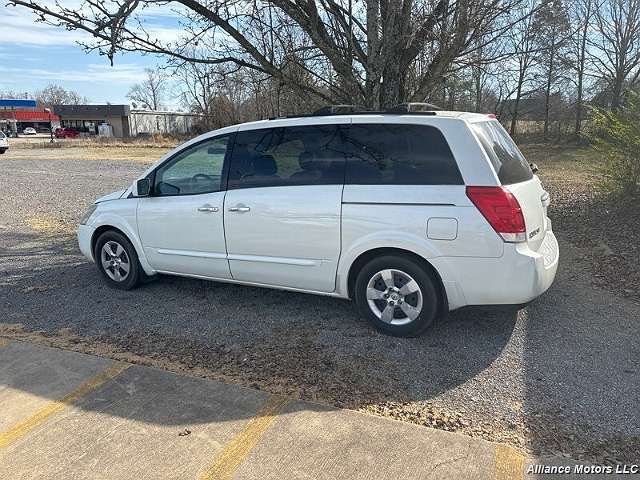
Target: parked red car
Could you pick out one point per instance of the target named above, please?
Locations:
(66, 133)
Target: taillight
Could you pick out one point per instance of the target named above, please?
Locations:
(502, 211)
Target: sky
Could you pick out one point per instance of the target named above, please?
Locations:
(33, 55)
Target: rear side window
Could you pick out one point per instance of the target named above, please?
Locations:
(393, 154)
(271, 157)
(509, 164)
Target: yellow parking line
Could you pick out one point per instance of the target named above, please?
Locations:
(3, 342)
(509, 463)
(25, 426)
(239, 447)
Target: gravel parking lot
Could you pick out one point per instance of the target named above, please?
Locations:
(559, 376)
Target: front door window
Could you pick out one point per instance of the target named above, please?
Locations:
(196, 170)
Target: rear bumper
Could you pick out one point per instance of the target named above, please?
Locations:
(517, 277)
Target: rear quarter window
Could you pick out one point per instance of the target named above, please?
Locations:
(507, 160)
(399, 154)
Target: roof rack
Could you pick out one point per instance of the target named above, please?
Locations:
(414, 107)
(338, 110)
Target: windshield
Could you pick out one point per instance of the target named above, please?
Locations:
(508, 162)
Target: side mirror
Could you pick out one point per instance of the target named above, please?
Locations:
(143, 187)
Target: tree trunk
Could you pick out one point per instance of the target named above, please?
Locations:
(582, 55)
(451, 103)
(478, 85)
(390, 94)
(547, 93)
(578, 127)
(616, 99)
(372, 83)
(516, 103)
(392, 45)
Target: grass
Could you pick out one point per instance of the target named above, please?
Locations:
(156, 141)
(135, 153)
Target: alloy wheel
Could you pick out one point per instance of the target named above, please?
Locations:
(394, 297)
(115, 261)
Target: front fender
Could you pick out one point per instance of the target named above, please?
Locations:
(124, 219)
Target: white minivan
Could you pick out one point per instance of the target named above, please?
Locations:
(411, 213)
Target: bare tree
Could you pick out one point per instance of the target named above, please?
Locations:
(616, 49)
(522, 43)
(582, 17)
(357, 51)
(552, 31)
(211, 92)
(196, 86)
(57, 95)
(13, 94)
(150, 92)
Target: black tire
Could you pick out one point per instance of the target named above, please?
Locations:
(404, 269)
(134, 275)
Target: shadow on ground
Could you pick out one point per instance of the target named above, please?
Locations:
(310, 347)
(581, 370)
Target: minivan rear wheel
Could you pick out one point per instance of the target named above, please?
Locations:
(397, 296)
(117, 260)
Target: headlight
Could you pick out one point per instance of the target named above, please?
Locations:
(88, 213)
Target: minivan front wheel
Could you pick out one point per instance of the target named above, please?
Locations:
(397, 296)
(117, 260)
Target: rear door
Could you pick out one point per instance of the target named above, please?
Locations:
(283, 204)
(515, 175)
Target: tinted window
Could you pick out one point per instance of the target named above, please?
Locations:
(509, 164)
(309, 155)
(399, 155)
(198, 169)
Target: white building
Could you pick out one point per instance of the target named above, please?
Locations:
(159, 122)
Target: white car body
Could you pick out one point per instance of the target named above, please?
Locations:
(4, 143)
(29, 131)
(308, 238)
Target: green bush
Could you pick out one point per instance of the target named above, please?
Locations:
(616, 135)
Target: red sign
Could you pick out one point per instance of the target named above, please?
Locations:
(28, 116)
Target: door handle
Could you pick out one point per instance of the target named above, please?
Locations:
(207, 209)
(239, 208)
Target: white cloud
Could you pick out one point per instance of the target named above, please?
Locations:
(124, 73)
(18, 26)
